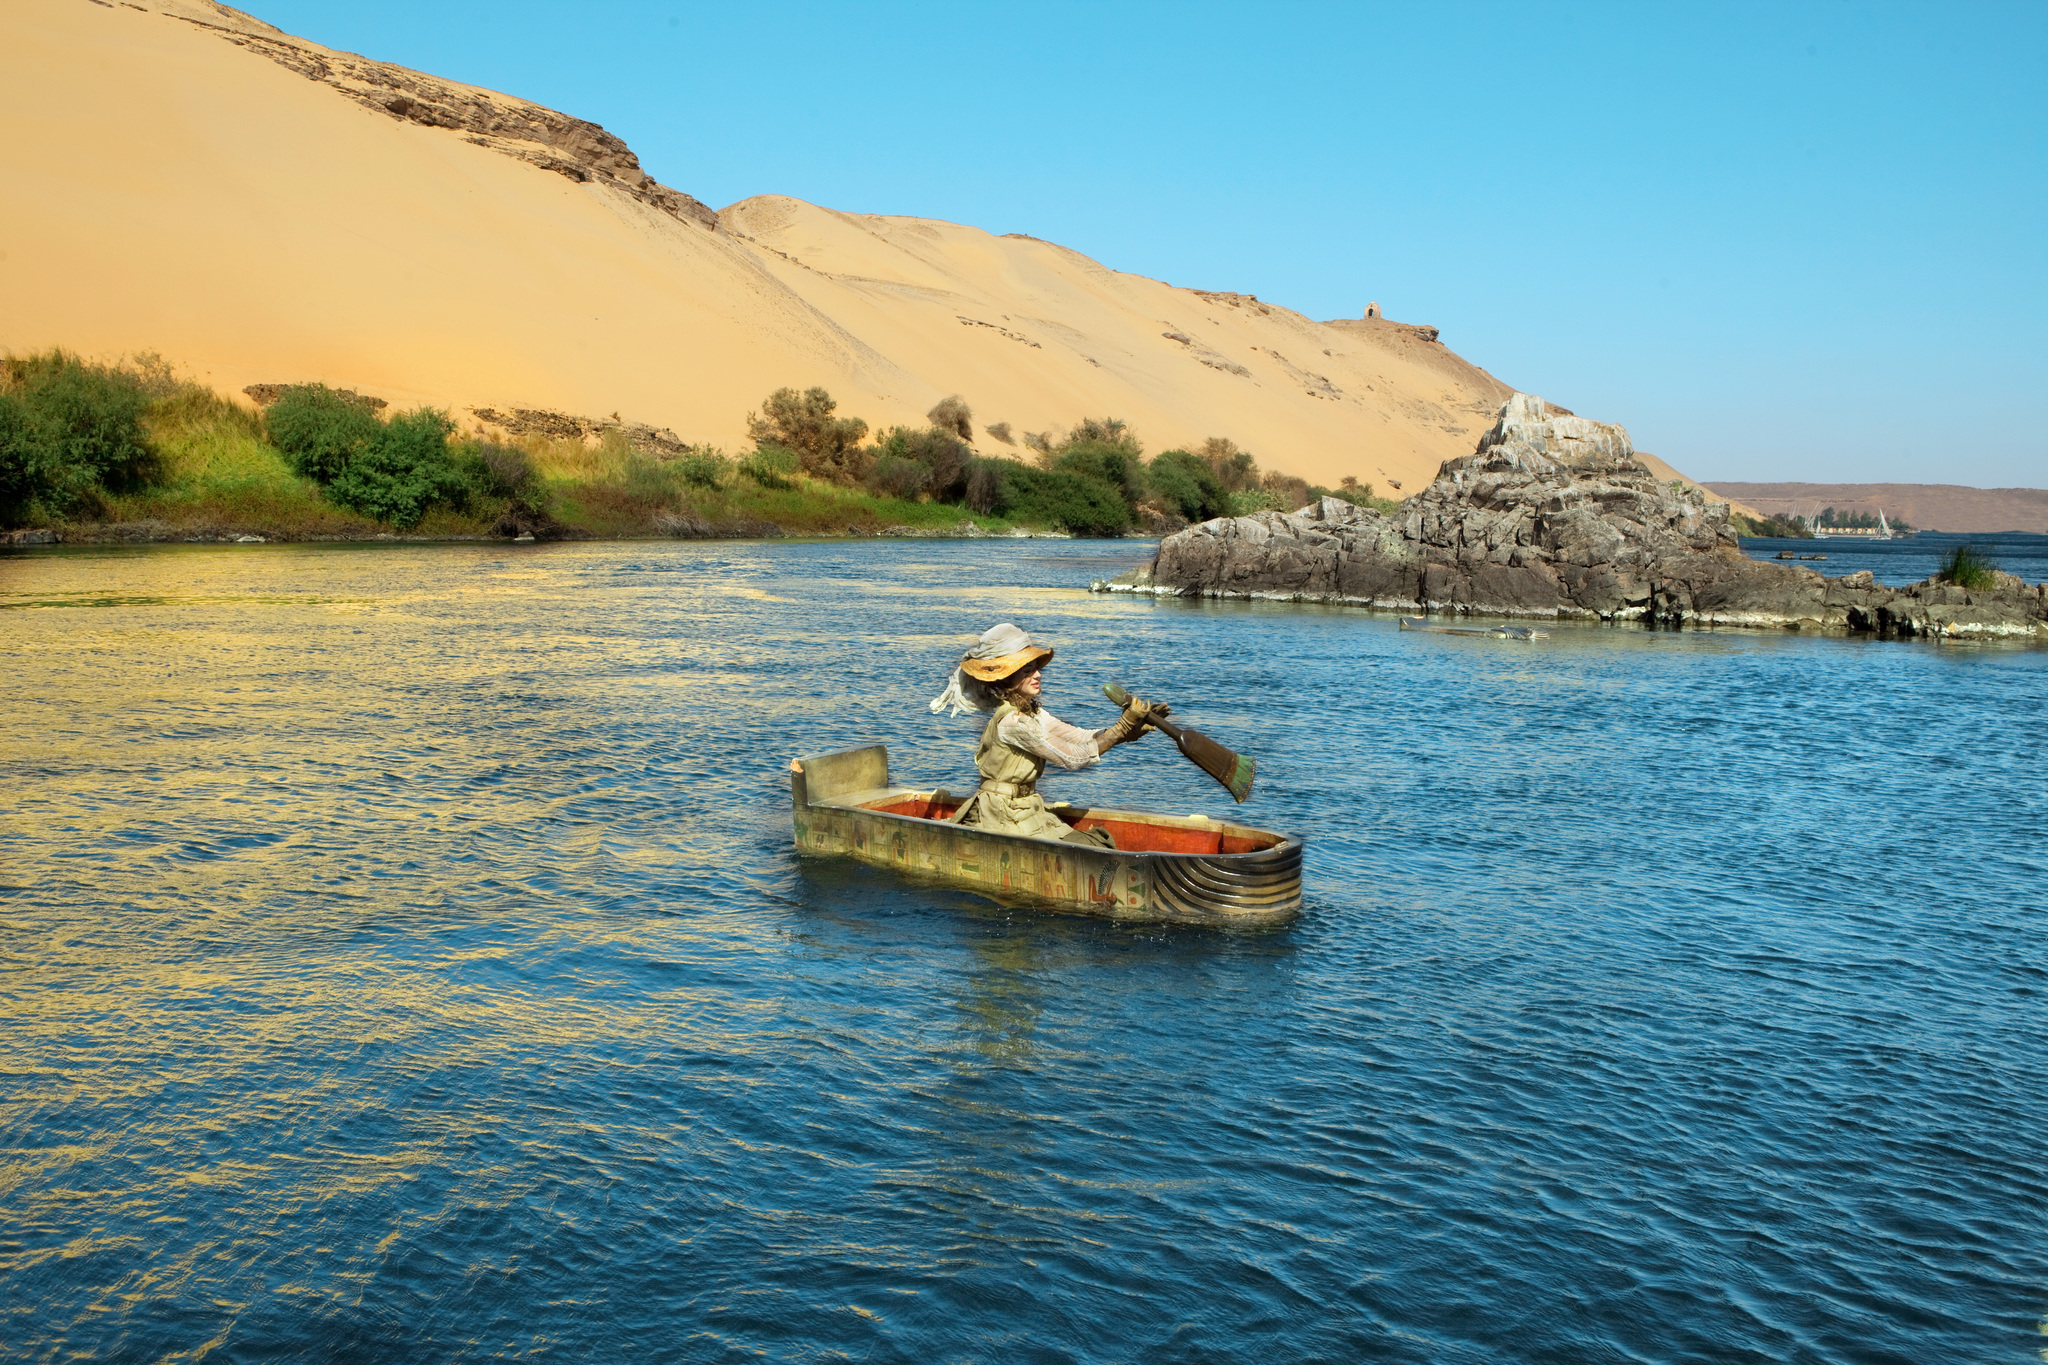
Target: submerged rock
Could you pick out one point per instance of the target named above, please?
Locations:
(1553, 516)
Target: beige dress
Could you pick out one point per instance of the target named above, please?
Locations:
(1012, 756)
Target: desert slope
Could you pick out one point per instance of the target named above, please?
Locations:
(187, 179)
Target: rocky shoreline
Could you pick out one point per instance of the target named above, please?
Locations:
(1553, 517)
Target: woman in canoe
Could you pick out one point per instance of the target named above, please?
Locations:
(1002, 675)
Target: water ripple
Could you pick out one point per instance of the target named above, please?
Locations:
(402, 958)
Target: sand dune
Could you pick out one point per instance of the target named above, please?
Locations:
(186, 179)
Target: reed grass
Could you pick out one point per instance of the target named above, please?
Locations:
(1969, 567)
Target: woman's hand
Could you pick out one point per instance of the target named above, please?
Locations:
(1129, 726)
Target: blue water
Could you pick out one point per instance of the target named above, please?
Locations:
(402, 958)
(1911, 560)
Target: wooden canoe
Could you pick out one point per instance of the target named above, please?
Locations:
(1191, 869)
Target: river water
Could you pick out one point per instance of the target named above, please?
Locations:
(1911, 559)
(403, 959)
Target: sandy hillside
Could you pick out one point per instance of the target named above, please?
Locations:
(1927, 506)
(185, 179)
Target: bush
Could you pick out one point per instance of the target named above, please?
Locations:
(1087, 434)
(1235, 469)
(1184, 483)
(772, 467)
(1258, 500)
(895, 477)
(320, 431)
(1968, 566)
(1118, 467)
(1001, 431)
(826, 447)
(655, 485)
(941, 455)
(393, 471)
(952, 416)
(703, 467)
(403, 472)
(985, 486)
(1072, 502)
(498, 471)
(1291, 490)
(68, 432)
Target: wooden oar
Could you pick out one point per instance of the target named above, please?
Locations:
(1233, 770)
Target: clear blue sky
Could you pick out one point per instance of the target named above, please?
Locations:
(1783, 241)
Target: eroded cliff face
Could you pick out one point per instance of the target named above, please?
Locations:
(1553, 516)
(533, 133)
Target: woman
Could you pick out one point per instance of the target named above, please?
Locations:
(1002, 674)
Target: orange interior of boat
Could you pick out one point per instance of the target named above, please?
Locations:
(1131, 835)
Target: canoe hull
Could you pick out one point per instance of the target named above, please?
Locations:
(893, 827)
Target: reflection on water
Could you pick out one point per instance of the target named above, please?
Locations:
(402, 958)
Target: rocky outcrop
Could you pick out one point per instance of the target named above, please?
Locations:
(263, 395)
(561, 426)
(1554, 517)
(532, 133)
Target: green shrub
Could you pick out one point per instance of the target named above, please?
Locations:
(1089, 433)
(659, 485)
(985, 486)
(501, 471)
(393, 471)
(405, 471)
(772, 467)
(941, 456)
(895, 477)
(1968, 566)
(1070, 501)
(826, 447)
(321, 432)
(24, 468)
(703, 466)
(69, 432)
(1186, 484)
(1116, 466)
(1235, 469)
(1258, 500)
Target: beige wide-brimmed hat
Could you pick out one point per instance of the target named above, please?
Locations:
(1001, 651)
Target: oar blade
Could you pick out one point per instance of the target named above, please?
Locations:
(1232, 769)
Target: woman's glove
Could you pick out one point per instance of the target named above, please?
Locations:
(1129, 726)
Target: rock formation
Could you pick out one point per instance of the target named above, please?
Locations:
(1553, 516)
(530, 132)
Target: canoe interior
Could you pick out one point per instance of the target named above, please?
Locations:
(1133, 833)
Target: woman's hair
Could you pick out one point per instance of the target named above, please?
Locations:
(1011, 690)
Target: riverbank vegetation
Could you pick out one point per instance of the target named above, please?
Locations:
(1967, 566)
(1769, 528)
(131, 451)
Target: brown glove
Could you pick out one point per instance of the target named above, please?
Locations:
(1129, 726)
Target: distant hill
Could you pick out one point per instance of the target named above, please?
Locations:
(1927, 506)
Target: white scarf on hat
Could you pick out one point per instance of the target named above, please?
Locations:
(964, 695)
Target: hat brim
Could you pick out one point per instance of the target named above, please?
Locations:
(995, 670)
